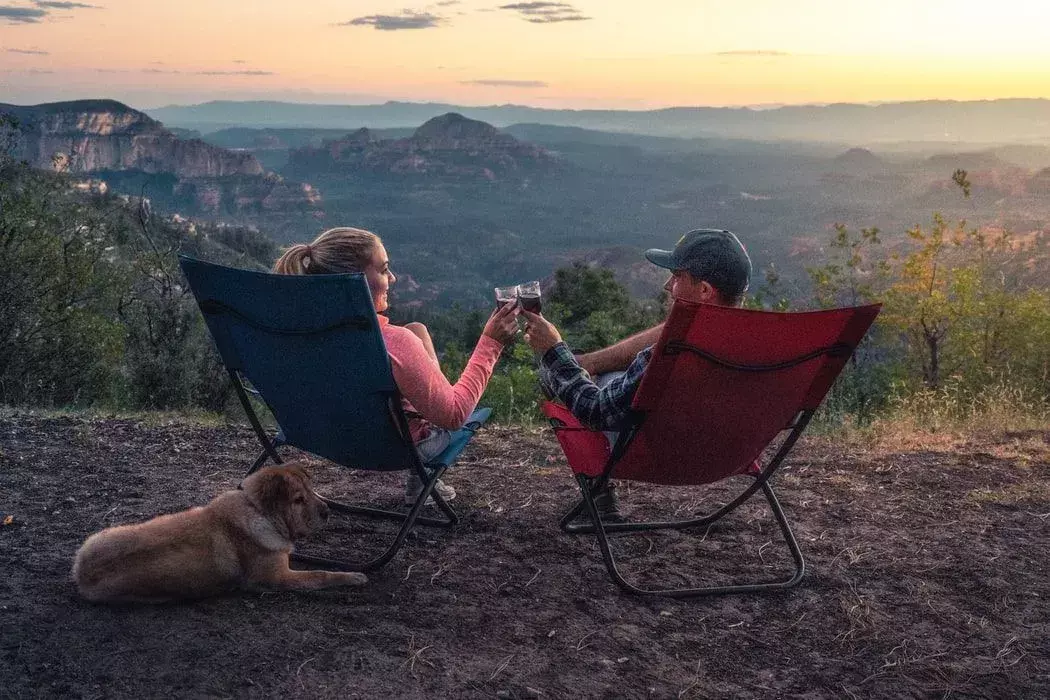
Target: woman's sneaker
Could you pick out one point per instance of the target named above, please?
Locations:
(414, 487)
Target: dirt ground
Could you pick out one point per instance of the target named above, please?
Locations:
(927, 577)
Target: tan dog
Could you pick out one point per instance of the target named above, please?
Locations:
(241, 539)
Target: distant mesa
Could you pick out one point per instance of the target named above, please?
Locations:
(858, 161)
(126, 147)
(450, 145)
(87, 136)
(455, 130)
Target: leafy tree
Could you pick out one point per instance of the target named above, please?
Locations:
(58, 344)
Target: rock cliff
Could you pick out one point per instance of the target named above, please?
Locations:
(135, 153)
(90, 136)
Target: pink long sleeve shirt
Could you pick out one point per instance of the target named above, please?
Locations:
(429, 398)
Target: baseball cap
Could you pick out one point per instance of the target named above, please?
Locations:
(709, 254)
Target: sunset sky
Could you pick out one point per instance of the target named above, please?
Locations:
(583, 54)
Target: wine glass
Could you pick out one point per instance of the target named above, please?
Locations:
(529, 293)
(506, 295)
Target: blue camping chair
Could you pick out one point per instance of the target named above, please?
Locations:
(311, 349)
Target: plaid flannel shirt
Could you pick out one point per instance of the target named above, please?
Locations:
(599, 408)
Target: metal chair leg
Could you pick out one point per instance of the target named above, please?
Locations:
(601, 529)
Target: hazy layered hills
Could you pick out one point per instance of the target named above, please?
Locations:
(983, 122)
(464, 206)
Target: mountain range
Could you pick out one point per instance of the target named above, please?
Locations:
(464, 206)
(974, 122)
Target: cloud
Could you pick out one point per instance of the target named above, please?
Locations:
(448, 3)
(239, 61)
(21, 15)
(545, 12)
(64, 5)
(408, 19)
(234, 72)
(30, 52)
(507, 83)
(159, 70)
(765, 53)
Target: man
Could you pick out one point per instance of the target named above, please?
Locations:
(707, 266)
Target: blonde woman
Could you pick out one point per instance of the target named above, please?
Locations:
(434, 406)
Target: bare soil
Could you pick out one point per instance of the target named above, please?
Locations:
(928, 577)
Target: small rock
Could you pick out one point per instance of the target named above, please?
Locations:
(504, 695)
(665, 613)
(532, 692)
(622, 660)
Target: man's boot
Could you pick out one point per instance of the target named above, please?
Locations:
(608, 504)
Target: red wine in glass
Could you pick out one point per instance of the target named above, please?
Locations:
(506, 295)
(529, 293)
(531, 303)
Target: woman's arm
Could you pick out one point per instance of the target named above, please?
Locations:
(421, 382)
(419, 377)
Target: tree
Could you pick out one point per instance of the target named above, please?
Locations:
(58, 343)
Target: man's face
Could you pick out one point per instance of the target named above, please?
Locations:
(682, 285)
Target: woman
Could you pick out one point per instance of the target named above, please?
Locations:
(434, 407)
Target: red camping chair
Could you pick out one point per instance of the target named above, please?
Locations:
(722, 385)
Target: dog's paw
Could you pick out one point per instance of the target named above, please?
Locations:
(354, 579)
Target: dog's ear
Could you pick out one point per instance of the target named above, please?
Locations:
(300, 468)
(272, 490)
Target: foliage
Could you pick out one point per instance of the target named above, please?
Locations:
(58, 343)
(95, 309)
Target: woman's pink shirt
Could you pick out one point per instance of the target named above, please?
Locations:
(426, 391)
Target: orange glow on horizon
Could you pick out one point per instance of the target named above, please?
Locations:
(677, 52)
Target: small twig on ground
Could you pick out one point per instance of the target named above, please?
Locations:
(408, 572)
(580, 645)
(501, 668)
(441, 570)
(534, 577)
(696, 680)
(760, 557)
(300, 670)
(414, 655)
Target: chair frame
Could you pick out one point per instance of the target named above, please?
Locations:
(428, 474)
(591, 486)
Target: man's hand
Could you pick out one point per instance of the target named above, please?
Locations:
(540, 334)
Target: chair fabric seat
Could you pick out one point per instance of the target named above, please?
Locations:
(461, 438)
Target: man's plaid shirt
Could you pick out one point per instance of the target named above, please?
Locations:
(599, 408)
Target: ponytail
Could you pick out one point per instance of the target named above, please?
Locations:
(342, 249)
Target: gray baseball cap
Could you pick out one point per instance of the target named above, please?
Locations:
(709, 254)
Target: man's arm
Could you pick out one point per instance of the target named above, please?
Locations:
(598, 408)
(616, 358)
(604, 408)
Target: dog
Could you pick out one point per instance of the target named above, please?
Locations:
(242, 539)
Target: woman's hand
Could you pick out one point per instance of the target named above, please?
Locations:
(502, 325)
(540, 333)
